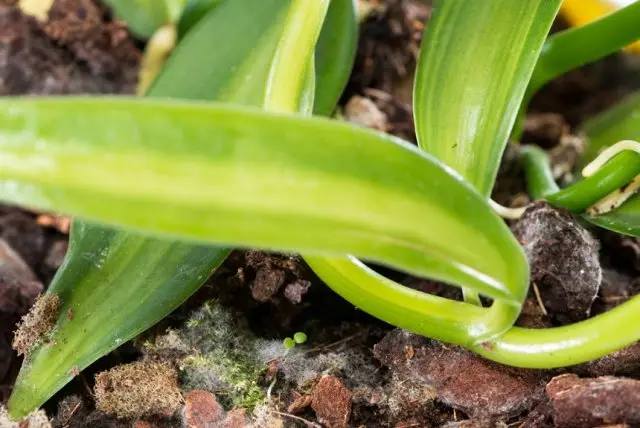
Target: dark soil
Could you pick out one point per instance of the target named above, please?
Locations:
(353, 370)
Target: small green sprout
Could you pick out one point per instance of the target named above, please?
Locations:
(298, 339)
(289, 343)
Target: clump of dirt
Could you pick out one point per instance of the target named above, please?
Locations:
(89, 31)
(102, 59)
(138, 389)
(37, 324)
(564, 261)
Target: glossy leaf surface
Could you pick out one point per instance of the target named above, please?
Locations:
(282, 182)
(475, 64)
(157, 274)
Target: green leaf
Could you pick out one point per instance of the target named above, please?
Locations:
(625, 219)
(118, 283)
(620, 122)
(575, 47)
(474, 67)
(335, 54)
(193, 12)
(143, 17)
(281, 182)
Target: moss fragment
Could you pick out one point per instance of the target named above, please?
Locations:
(37, 324)
(138, 389)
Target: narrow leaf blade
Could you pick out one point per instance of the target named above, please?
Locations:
(474, 67)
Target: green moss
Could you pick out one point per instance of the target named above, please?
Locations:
(220, 357)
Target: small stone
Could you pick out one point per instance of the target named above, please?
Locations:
(331, 401)
(564, 260)
(202, 409)
(364, 112)
(594, 401)
(480, 388)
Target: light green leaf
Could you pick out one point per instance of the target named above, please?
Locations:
(256, 179)
(474, 67)
(119, 283)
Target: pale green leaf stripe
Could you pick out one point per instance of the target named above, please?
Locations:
(474, 67)
(238, 176)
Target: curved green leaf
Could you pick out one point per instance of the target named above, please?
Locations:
(335, 54)
(577, 46)
(281, 182)
(475, 64)
(117, 283)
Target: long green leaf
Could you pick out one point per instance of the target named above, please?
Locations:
(335, 54)
(116, 283)
(573, 48)
(281, 182)
(474, 67)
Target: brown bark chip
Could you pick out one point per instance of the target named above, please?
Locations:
(465, 381)
(594, 401)
(138, 389)
(331, 401)
(202, 409)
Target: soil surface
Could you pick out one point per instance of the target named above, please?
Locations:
(353, 370)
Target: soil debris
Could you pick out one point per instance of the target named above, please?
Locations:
(364, 112)
(89, 32)
(202, 409)
(478, 387)
(544, 129)
(31, 62)
(591, 402)
(564, 158)
(138, 389)
(37, 324)
(390, 40)
(564, 260)
(331, 401)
